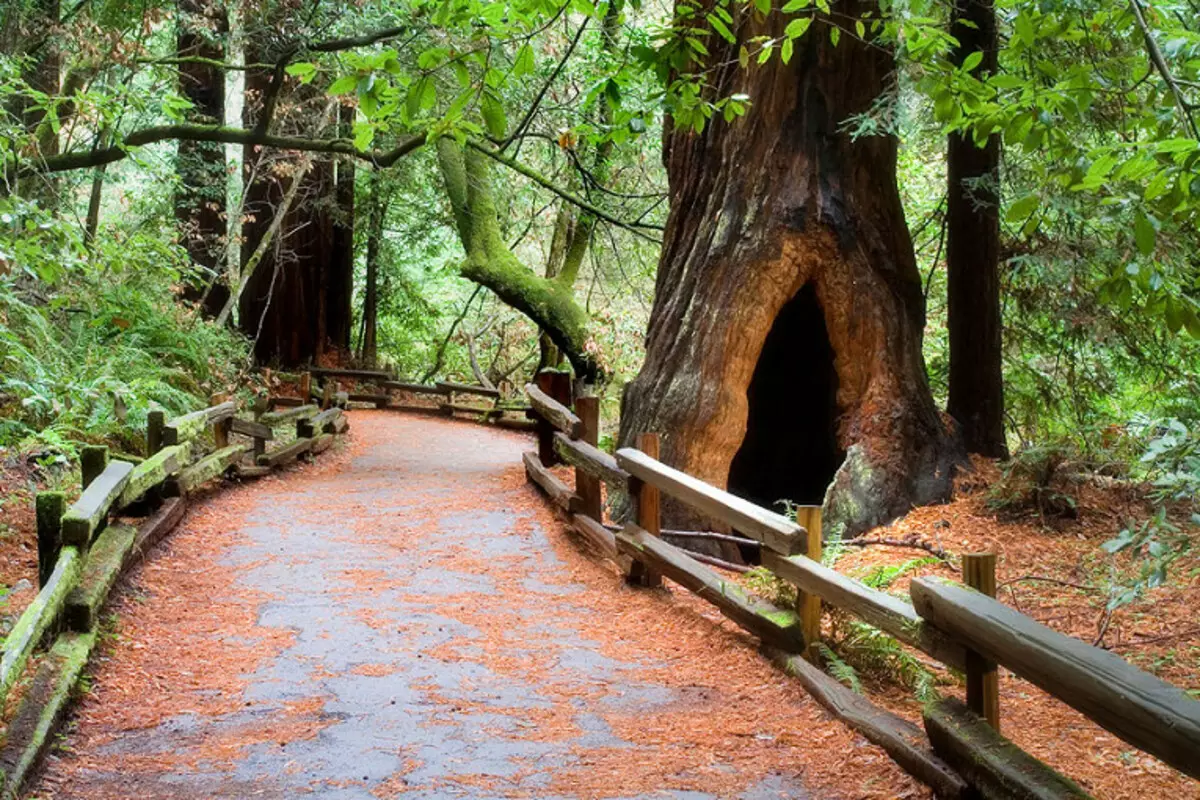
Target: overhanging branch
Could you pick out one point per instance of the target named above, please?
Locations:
(86, 159)
(637, 228)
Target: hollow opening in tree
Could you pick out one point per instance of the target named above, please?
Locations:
(790, 451)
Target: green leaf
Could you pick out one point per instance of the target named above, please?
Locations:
(972, 61)
(1020, 209)
(525, 61)
(796, 28)
(494, 116)
(302, 70)
(721, 28)
(785, 52)
(1144, 234)
(343, 85)
(835, 35)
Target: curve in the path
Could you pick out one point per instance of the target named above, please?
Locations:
(407, 619)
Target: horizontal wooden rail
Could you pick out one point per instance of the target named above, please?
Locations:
(1148, 713)
(414, 388)
(189, 426)
(889, 613)
(901, 739)
(559, 493)
(211, 466)
(273, 418)
(354, 374)
(466, 388)
(255, 430)
(773, 625)
(775, 531)
(325, 422)
(152, 472)
(591, 460)
(989, 761)
(87, 514)
(554, 412)
(38, 617)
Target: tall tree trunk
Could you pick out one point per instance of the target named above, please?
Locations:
(200, 196)
(785, 336)
(369, 348)
(976, 398)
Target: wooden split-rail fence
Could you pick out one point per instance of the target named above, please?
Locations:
(960, 751)
(383, 390)
(81, 553)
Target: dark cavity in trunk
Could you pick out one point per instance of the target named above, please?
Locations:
(790, 451)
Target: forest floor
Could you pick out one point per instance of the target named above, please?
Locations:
(1055, 571)
(407, 617)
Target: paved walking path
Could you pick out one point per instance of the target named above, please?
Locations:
(407, 619)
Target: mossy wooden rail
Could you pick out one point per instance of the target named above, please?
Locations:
(385, 384)
(81, 556)
(958, 754)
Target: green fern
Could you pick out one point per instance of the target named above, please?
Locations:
(840, 670)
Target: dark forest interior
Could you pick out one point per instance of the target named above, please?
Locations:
(790, 451)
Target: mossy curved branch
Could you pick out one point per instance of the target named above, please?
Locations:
(549, 303)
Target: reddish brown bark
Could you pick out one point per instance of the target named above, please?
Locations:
(976, 397)
(781, 199)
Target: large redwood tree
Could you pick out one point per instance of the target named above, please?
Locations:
(783, 354)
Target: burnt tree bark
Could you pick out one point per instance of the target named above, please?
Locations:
(976, 397)
(200, 166)
(781, 199)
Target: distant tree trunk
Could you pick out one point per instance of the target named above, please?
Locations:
(369, 348)
(783, 354)
(200, 196)
(297, 302)
(976, 398)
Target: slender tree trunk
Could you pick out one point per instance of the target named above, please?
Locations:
(369, 349)
(200, 197)
(787, 258)
(976, 398)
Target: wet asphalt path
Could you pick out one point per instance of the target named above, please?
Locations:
(409, 620)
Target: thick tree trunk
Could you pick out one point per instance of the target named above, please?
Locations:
(780, 200)
(976, 398)
(200, 196)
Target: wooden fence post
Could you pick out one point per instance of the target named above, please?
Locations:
(588, 486)
(155, 421)
(50, 507)
(220, 429)
(649, 513)
(558, 386)
(92, 461)
(808, 605)
(983, 684)
(305, 387)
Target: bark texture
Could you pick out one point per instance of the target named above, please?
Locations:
(976, 397)
(782, 198)
(200, 166)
